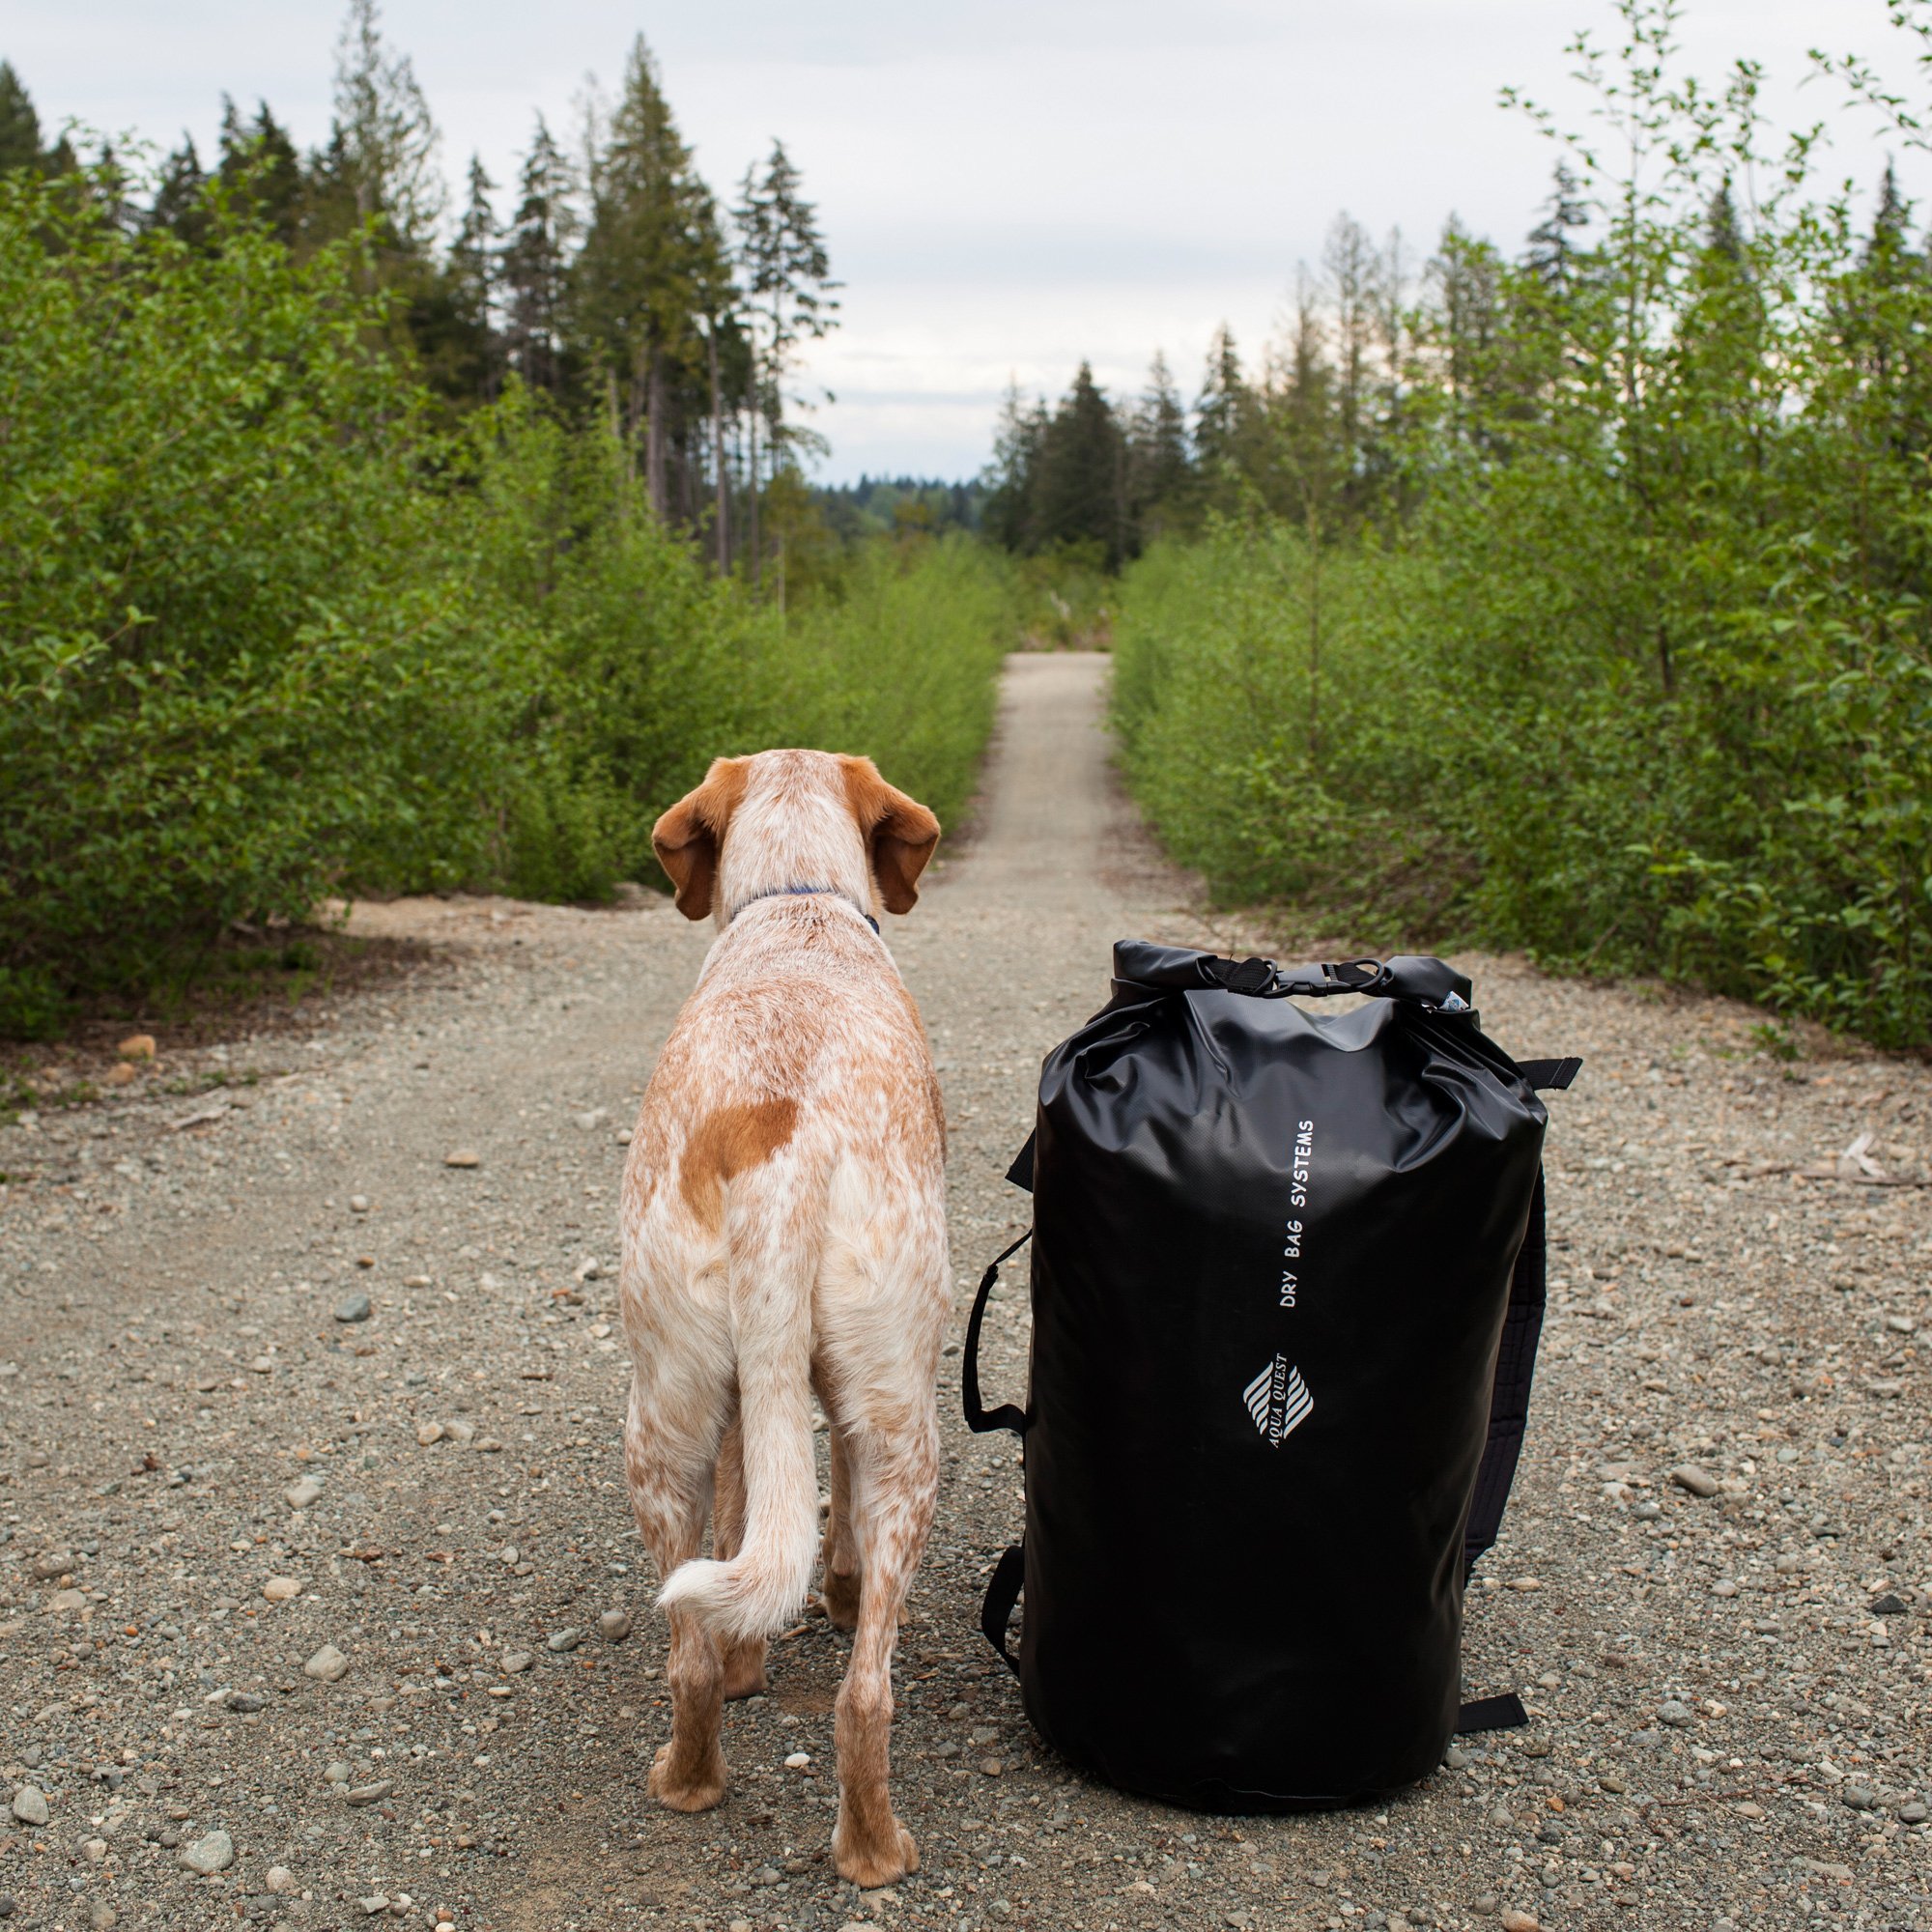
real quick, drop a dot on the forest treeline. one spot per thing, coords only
(1575, 598)
(349, 544)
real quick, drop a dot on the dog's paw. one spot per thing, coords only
(680, 1792)
(883, 1863)
(840, 1598)
(745, 1671)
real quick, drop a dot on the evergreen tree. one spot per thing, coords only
(1221, 410)
(259, 162)
(1079, 488)
(788, 287)
(1552, 258)
(384, 143)
(19, 125)
(651, 249)
(178, 205)
(532, 265)
(1160, 472)
(453, 317)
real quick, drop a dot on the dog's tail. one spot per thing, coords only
(772, 1249)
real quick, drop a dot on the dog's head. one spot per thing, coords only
(793, 818)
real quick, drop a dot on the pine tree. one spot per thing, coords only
(788, 286)
(384, 142)
(260, 164)
(1159, 471)
(651, 252)
(532, 265)
(19, 123)
(180, 206)
(1552, 258)
(1224, 405)
(1079, 493)
(452, 317)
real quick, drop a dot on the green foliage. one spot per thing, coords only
(1585, 603)
(266, 635)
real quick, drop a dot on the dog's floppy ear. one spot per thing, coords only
(688, 837)
(899, 832)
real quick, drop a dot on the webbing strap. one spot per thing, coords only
(1003, 1592)
(1492, 1713)
(1508, 1396)
(979, 1418)
(1547, 1075)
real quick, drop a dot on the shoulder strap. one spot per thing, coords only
(979, 1418)
(1003, 1592)
(1516, 1357)
(1508, 1396)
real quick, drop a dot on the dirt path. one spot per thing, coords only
(1731, 1691)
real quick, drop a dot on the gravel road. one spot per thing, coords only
(320, 1601)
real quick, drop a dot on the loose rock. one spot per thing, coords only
(461, 1157)
(563, 1639)
(353, 1308)
(281, 1589)
(1699, 1482)
(30, 1805)
(328, 1665)
(615, 1626)
(281, 1879)
(208, 1855)
(299, 1495)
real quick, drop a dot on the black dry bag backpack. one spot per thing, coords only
(1288, 1277)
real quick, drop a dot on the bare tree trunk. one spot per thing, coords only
(721, 536)
(751, 482)
(654, 438)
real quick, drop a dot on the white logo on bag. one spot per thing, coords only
(1278, 1400)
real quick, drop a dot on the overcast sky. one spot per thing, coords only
(1007, 186)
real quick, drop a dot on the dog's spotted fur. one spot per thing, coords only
(784, 1232)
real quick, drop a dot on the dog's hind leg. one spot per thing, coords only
(745, 1659)
(894, 1480)
(670, 1476)
(839, 1550)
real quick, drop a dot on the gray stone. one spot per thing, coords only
(515, 1660)
(1860, 1797)
(30, 1805)
(338, 1773)
(353, 1308)
(212, 1854)
(1677, 1715)
(55, 1563)
(563, 1639)
(615, 1626)
(369, 1794)
(1912, 1812)
(300, 1494)
(1699, 1482)
(327, 1665)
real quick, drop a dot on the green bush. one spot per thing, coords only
(266, 635)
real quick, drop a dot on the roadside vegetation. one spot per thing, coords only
(335, 559)
(1575, 599)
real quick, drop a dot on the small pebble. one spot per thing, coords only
(1521, 1922)
(516, 1661)
(30, 1805)
(358, 1204)
(338, 1773)
(138, 1046)
(328, 1664)
(55, 1563)
(93, 1850)
(281, 1879)
(212, 1854)
(428, 1432)
(299, 1495)
(461, 1157)
(563, 1639)
(615, 1625)
(353, 1308)
(1671, 1711)
(1699, 1482)
(369, 1794)
(280, 1589)
(798, 1760)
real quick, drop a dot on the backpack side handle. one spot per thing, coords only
(980, 1419)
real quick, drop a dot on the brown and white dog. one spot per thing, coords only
(785, 1233)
